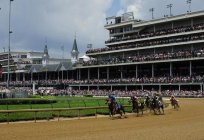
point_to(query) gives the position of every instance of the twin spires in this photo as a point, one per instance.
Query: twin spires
(74, 52)
(45, 57)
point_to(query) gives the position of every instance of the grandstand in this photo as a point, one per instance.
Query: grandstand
(163, 55)
(160, 55)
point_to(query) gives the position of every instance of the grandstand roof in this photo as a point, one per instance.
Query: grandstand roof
(51, 67)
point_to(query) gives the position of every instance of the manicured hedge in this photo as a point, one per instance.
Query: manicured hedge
(88, 95)
(25, 101)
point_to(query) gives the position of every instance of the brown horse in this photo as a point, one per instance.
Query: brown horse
(136, 106)
(115, 108)
(174, 103)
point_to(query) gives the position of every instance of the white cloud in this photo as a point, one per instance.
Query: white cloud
(134, 6)
(141, 7)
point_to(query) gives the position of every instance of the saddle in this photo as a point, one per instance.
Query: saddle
(117, 107)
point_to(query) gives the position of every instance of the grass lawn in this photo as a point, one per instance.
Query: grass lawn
(62, 102)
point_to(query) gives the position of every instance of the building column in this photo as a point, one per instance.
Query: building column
(154, 28)
(136, 71)
(16, 77)
(192, 22)
(170, 69)
(192, 47)
(201, 88)
(23, 76)
(152, 70)
(58, 76)
(46, 76)
(126, 88)
(62, 74)
(159, 88)
(88, 74)
(108, 73)
(31, 77)
(121, 72)
(190, 68)
(67, 75)
(179, 88)
(79, 74)
(98, 73)
(172, 25)
(38, 77)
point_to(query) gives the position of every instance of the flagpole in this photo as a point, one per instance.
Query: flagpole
(8, 71)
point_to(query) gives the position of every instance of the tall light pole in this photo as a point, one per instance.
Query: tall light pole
(152, 11)
(169, 6)
(62, 48)
(189, 6)
(8, 76)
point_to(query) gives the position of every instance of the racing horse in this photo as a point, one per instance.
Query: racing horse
(115, 108)
(136, 105)
(155, 105)
(174, 103)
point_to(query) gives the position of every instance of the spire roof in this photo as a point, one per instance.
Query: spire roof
(74, 48)
(46, 50)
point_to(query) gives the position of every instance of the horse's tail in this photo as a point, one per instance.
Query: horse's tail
(122, 108)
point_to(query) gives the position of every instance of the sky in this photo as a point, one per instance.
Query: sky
(56, 23)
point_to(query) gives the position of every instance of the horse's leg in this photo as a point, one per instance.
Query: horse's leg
(163, 109)
(155, 111)
(122, 108)
(158, 108)
(142, 110)
(121, 113)
(178, 105)
(110, 112)
(137, 111)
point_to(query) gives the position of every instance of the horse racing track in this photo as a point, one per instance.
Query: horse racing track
(184, 124)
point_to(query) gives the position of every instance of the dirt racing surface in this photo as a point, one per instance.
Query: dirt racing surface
(184, 124)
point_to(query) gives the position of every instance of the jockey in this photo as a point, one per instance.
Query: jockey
(113, 100)
(134, 98)
(172, 98)
(147, 98)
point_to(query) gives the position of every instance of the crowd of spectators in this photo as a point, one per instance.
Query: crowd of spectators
(104, 92)
(175, 79)
(140, 80)
(22, 62)
(119, 93)
(147, 57)
(153, 42)
(161, 32)
(2, 57)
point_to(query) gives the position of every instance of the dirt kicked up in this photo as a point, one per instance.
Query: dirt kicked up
(185, 124)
